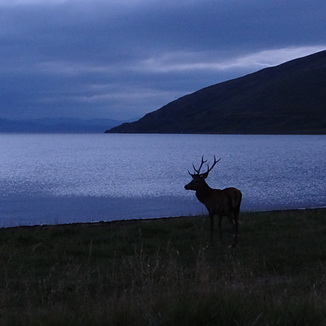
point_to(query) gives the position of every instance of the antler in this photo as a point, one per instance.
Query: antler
(209, 169)
(197, 171)
(201, 164)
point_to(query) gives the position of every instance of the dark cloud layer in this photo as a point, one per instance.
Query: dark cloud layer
(123, 58)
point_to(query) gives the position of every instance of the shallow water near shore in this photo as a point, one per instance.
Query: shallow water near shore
(67, 178)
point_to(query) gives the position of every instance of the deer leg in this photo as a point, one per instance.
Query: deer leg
(220, 225)
(211, 216)
(235, 235)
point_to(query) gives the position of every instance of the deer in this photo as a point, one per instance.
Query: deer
(220, 202)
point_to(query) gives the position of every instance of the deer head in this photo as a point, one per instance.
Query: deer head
(198, 179)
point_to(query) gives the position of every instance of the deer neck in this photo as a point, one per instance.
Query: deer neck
(203, 192)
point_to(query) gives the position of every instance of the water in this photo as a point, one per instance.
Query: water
(49, 179)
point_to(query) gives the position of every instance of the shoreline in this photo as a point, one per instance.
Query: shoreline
(158, 219)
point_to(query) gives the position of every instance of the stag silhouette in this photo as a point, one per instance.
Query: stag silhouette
(220, 202)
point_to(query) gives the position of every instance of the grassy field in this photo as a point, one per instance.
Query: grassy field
(167, 272)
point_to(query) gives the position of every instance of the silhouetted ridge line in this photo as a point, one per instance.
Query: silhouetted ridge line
(286, 99)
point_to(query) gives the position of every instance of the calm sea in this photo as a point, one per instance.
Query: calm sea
(64, 178)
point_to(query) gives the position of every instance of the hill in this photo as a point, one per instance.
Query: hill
(286, 99)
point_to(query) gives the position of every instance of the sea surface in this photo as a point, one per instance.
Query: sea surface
(67, 178)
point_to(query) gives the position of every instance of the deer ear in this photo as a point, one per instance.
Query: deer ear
(204, 175)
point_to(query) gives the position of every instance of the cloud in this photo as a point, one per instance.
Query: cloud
(202, 61)
(124, 58)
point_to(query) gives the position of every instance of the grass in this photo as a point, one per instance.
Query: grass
(166, 272)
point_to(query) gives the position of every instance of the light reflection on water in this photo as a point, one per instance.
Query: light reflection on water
(71, 178)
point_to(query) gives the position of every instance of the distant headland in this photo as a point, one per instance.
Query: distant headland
(286, 99)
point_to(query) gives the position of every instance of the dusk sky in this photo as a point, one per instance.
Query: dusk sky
(121, 59)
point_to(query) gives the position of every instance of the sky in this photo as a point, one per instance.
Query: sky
(121, 59)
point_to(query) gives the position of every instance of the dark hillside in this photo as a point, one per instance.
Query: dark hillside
(286, 99)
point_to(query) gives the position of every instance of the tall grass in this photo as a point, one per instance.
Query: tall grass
(166, 272)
